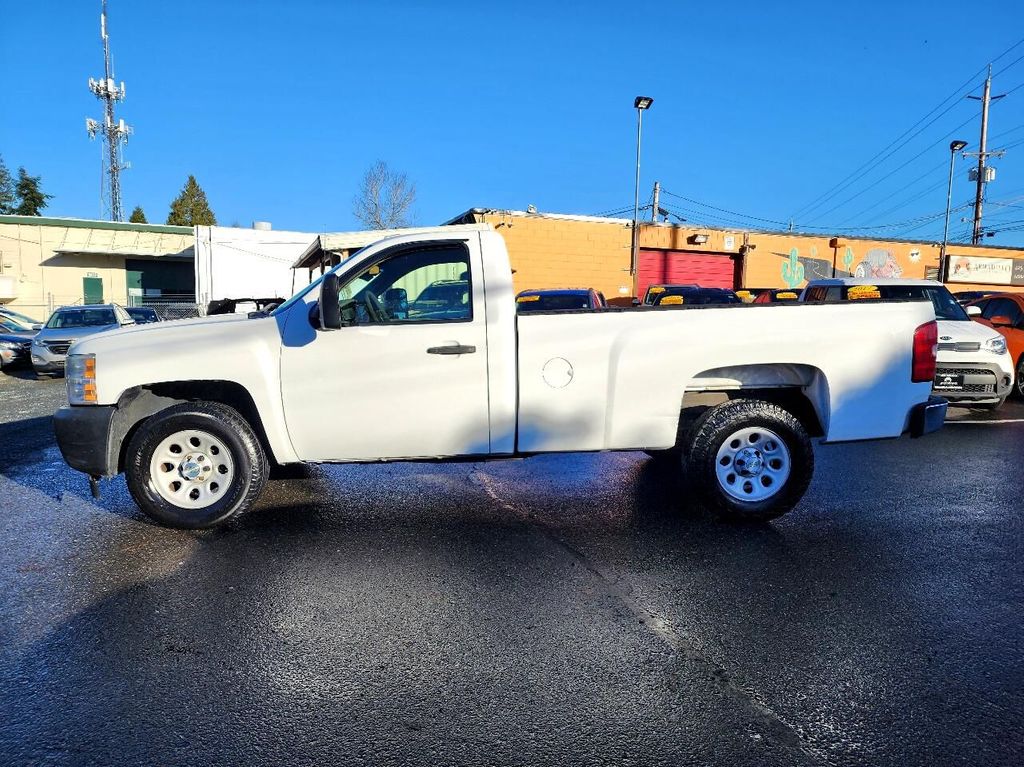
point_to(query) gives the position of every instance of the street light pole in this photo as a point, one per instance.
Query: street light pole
(954, 147)
(641, 104)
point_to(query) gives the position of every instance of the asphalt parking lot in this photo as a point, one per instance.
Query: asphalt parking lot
(558, 610)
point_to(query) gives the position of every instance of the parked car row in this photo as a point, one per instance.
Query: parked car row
(24, 340)
(16, 331)
(980, 362)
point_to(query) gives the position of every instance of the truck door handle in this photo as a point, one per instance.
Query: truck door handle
(451, 349)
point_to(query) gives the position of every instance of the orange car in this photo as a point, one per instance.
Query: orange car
(1004, 312)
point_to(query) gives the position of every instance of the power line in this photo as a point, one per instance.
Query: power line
(723, 210)
(894, 170)
(614, 211)
(734, 218)
(928, 173)
(1011, 64)
(877, 160)
(866, 168)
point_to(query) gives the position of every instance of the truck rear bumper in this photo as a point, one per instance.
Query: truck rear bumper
(926, 417)
(83, 436)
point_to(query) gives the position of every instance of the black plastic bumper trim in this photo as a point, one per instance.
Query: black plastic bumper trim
(927, 417)
(83, 436)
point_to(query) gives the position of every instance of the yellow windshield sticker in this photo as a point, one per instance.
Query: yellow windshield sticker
(671, 301)
(858, 292)
(786, 295)
(656, 289)
(527, 299)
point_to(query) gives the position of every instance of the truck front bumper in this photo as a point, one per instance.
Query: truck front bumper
(926, 417)
(83, 436)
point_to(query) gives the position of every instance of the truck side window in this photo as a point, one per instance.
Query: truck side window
(427, 285)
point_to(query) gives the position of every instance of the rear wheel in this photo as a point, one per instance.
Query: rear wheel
(749, 460)
(195, 465)
(1018, 386)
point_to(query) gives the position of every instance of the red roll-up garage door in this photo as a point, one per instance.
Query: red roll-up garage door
(708, 270)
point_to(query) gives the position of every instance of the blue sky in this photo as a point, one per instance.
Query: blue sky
(760, 108)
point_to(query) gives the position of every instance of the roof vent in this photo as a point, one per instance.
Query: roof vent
(261, 226)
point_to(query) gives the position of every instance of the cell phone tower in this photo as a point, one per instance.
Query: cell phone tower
(114, 132)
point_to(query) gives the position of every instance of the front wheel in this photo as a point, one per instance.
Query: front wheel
(749, 460)
(195, 465)
(1018, 385)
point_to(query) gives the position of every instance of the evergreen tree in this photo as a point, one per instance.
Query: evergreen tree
(6, 189)
(138, 216)
(190, 208)
(32, 198)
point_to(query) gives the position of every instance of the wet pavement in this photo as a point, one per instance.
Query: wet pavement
(558, 610)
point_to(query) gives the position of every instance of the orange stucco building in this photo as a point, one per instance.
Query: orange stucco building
(556, 250)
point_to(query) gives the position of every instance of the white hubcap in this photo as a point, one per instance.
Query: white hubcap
(191, 469)
(753, 464)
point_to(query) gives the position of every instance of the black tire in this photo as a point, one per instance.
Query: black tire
(1018, 385)
(708, 436)
(226, 425)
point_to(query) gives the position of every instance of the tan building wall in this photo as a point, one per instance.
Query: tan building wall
(45, 260)
(551, 251)
(558, 252)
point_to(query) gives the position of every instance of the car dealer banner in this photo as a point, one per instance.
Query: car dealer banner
(984, 270)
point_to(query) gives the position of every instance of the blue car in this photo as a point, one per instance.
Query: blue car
(559, 300)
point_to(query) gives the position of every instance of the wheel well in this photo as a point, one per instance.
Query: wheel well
(790, 398)
(138, 404)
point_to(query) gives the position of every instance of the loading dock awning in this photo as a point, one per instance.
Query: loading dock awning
(328, 250)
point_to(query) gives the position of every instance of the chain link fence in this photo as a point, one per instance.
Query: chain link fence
(170, 307)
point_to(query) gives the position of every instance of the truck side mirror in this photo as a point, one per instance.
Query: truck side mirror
(1000, 321)
(973, 311)
(330, 309)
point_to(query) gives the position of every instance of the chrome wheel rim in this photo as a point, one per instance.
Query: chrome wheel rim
(191, 469)
(752, 464)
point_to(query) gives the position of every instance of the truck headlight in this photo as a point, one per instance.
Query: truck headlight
(996, 345)
(80, 374)
(10, 345)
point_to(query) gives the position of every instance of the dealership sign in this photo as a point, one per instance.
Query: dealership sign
(989, 271)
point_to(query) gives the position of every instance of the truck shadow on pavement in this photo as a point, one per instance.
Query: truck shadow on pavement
(25, 443)
(374, 610)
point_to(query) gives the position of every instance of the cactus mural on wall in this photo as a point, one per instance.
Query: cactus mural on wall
(792, 269)
(848, 259)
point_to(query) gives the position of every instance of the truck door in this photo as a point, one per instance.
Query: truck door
(406, 376)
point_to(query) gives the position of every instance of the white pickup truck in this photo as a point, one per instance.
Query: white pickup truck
(366, 364)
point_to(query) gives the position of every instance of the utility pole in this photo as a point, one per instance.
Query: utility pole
(657, 199)
(982, 154)
(114, 132)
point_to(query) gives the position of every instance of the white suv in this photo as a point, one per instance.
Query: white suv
(974, 367)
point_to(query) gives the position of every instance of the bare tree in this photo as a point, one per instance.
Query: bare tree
(385, 199)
